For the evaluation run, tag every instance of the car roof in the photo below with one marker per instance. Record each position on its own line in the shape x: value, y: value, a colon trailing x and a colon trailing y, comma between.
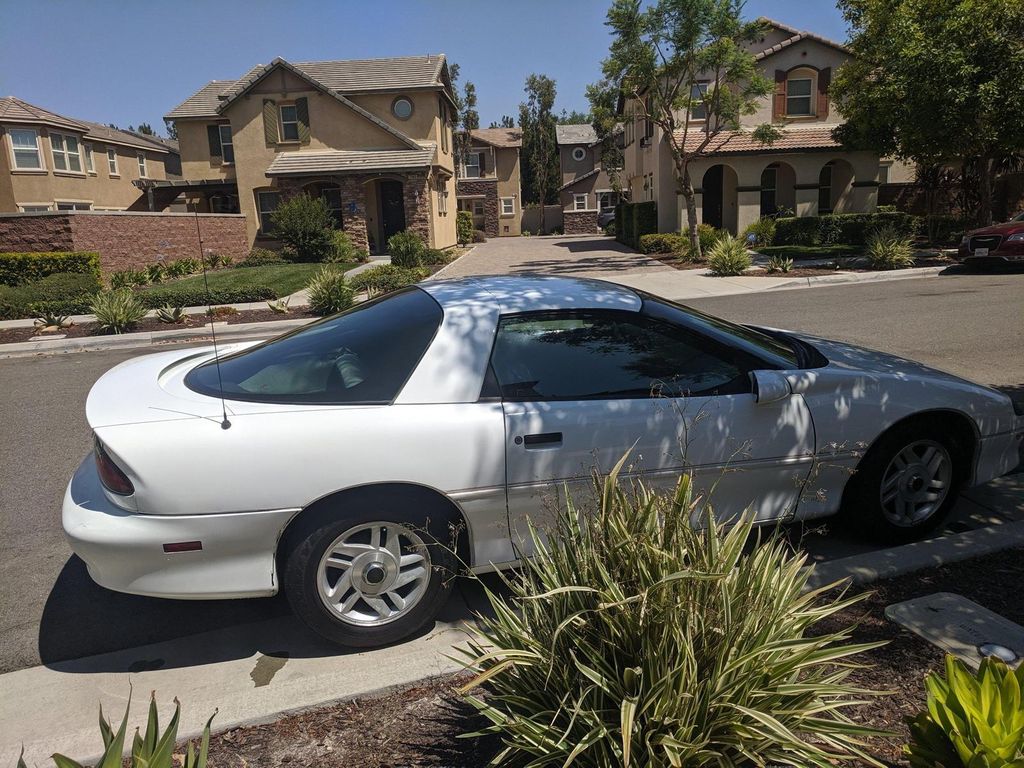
x: 511, y: 294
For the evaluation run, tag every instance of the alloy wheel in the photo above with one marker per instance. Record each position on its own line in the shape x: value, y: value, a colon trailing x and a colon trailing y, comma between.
x: 916, y: 483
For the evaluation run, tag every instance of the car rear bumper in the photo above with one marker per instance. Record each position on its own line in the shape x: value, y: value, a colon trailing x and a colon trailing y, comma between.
x: 124, y: 551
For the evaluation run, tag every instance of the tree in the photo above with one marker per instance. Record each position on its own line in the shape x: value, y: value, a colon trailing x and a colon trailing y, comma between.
x: 540, y: 171
x: 505, y: 122
x: 605, y: 119
x: 935, y: 83
x: 470, y: 117
x: 171, y: 128
x: 574, y: 118
x: 146, y: 129
x: 659, y: 58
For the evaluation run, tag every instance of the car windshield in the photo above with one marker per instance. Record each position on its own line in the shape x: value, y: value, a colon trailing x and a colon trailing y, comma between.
x: 1019, y: 217
x: 364, y: 355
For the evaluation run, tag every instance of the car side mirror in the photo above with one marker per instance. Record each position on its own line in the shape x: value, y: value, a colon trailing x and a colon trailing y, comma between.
x: 770, y: 386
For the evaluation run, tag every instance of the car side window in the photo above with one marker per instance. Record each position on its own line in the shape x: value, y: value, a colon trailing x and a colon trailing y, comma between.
x: 603, y: 355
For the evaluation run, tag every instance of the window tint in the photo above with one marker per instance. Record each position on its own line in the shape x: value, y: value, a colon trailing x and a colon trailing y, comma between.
x: 587, y: 355
x: 364, y: 355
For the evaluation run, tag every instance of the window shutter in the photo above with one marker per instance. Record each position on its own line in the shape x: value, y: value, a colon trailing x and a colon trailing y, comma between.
x: 270, y: 122
x: 779, y: 102
x: 483, y: 162
x: 824, y: 80
x: 302, y: 111
x: 213, y: 134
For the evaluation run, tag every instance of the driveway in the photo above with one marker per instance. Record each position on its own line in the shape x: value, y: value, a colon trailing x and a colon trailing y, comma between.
x: 580, y: 256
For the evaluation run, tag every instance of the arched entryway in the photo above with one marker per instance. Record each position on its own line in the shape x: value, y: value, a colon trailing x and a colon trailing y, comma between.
x: 835, y: 180
x: 778, y: 190
x: 719, y: 207
x: 385, y: 211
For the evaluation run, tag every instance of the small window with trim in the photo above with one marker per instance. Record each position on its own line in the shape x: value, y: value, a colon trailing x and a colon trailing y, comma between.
x: 289, y: 122
x: 579, y: 202
x: 112, y: 161
x: 266, y: 203
x: 25, y: 143
x: 798, y: 96
x: 227, y: 147
x: 66, y: 155
x: 508, y: 206
x: 141, y: 157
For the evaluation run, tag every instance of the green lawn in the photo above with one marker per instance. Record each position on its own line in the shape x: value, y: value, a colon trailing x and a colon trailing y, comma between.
x: 284, y: 279
x: 797, y: 252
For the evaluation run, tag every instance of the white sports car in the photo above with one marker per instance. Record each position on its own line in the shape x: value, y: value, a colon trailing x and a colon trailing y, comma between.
x: 334, y: 461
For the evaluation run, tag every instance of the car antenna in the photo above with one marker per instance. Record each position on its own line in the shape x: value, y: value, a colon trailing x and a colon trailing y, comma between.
x: 225, y: 424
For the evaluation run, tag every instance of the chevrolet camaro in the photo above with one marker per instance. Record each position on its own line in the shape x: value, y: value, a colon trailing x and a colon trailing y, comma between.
x: 359, y: 461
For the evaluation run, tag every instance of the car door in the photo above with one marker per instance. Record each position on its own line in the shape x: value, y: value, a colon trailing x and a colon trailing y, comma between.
x: 581, y: 388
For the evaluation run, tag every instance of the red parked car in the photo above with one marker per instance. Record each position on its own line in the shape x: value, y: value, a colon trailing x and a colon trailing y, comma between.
x: 1002, y: 242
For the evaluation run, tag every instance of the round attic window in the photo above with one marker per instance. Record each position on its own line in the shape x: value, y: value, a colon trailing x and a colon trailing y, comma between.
x: 401, y: 108
x: 578, y: 154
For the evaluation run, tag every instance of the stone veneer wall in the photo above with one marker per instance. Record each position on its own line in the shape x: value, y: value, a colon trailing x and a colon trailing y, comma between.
x: 579, y: 222
x: 416, y: 196
x: 125, y: 239
x: 489, y: 191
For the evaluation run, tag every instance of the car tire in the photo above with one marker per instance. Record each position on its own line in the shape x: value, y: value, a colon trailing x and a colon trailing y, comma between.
x: 341, y: 575
x: 905, y: 486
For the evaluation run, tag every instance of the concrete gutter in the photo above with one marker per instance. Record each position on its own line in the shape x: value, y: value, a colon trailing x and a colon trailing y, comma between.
x: 857, y: 277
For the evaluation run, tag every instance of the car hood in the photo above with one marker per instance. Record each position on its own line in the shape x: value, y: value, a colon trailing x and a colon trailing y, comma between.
x: 1007, y: 228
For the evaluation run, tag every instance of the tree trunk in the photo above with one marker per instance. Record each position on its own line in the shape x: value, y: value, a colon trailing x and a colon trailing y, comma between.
x: 985, y: 191
x: 686, y: 188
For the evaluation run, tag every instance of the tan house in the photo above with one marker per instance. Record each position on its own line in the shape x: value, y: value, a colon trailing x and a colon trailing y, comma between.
x: 806, y: 171
x: 586, y: 186
x: 373, y: 138
x: 50, y: 162
x: 489, y: 184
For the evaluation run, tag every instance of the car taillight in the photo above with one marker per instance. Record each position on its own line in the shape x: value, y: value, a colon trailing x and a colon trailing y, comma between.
x: 113, y: 479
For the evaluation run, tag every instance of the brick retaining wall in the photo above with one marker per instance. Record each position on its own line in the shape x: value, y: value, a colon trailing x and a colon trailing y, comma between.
x: 488, y: 188
x: 580, y: 222
x: 125, y: 239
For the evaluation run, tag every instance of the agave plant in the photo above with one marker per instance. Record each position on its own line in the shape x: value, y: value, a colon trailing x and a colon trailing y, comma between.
x: 729, y: 256
x: 117, y: 310
x: 779, y: 264
x: 171, y: 315
x: 49, y: 321
x: 888, y: 249
x: 645, y: 633
x: 280, y: 306
x: 970, y: 720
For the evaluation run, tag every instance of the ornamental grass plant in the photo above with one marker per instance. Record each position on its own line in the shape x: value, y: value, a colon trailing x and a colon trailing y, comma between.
x: 639, y: 636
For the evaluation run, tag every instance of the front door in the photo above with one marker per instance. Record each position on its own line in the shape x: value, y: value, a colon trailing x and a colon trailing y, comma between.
x: 392, y: 209
x: 712, y: 195
x: 582, y: 388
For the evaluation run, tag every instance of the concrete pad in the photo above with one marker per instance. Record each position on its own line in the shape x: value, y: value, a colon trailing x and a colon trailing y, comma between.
x: 958, y: 626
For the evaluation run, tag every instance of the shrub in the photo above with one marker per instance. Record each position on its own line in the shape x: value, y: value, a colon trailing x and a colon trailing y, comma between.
x: 637, y: 636
x: 118, y: 310
x: 61, y: 293
x: 665, y: 242
x: 328, y: 292
x: 279, y: 307
x: 305, y: 225
x: 479, y: 236
x: 155, y: 273
x: 707, y: 236
x: 779, y: 264
x: 219, y: 312
x: 434, y: 256
x: 343, y: 249
x: 846, y: 228
x: 886, y: 209
x: 970, y: 719
x: 609, y: 228
x: 728, y: 257
x: 259, y: 257
x: 18, y: 268
x: 129, y: 278
x: 464, y: 227
x: 171, y: 315
x: 199, y: 297
x: 50, y: 320
x: 944, y: 229
x: 386, y: 278
x: 406, y: 249
x: 888, y: 249
x: 184, y: 267
x: 763, y: 231
x: 645, y: 219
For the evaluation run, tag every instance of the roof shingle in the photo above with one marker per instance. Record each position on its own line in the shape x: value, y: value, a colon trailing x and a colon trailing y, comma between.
x: 349, y: 161
x: 499, y: 137
x: 743, y: 142
x: 15, y: 110
x: 575, y: 134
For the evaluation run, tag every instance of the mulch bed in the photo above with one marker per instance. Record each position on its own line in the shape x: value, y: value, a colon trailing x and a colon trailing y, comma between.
x: 811, y: 271
x: 149, y: 324
x: 419, y: 725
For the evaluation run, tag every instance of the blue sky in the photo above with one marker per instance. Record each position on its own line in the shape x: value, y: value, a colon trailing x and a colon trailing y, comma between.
x: 131, y: 62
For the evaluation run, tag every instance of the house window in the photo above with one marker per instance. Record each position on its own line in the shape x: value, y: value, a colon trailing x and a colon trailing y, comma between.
x: 227, y: 148
x: 88, y: 158
x: 34, y: 208
x: 26, y: 148
x: 607, y: 200
x: 825, y: 189
x: 223, y: 203
x: 66, y: 156
x: 798, y: 96
x: 401, y: 108
x: 883, y: 173
x: 443, y: 111
x: 478, y: 207
x: 112, y: 161
x: 769, y: 184
x: 266, y: 204
x: 630, y: 128
x: 578, y: 154
x: 331, y: 195
x: 142, y: 164
x: 699, y: 110
x: 70, y: 206
x: 508, y: 206
x: 472, y: 165
x: 648, y: 120
x: 289, y: 123
x: 579, y: 202
x: 442, y: 197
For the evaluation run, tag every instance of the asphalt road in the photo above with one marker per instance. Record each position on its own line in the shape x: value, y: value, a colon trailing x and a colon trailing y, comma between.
x: 50, y: 611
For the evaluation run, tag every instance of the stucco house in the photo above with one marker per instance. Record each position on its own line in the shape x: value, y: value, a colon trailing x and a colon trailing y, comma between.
x: 586, y: 188
x: 50, y: 162
x: 806, y: 171
x: 489, y: 183
x: 372, y: 137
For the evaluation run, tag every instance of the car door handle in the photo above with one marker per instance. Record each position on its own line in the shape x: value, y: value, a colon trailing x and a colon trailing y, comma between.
x: 543, y: 439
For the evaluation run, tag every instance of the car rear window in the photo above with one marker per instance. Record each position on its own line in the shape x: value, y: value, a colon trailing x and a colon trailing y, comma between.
x: 364, y: 355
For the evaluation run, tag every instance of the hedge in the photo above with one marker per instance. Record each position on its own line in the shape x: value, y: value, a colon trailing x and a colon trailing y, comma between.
x: 18, y: 268
x: 188, y: 297
x: 68, y: 293
x: 665, y: 242
x: 638, y: 219
x: 844, y: 228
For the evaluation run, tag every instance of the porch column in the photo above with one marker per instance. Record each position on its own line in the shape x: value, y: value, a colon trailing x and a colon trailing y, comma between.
x: 416, y: 196
x: 748, y: 205
x: 863, y: 197
x: 806, y: 199
x: 353, y: 209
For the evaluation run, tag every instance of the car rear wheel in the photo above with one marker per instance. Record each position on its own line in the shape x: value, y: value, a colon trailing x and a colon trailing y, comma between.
x: 906, y: 485
x: 368, y: 578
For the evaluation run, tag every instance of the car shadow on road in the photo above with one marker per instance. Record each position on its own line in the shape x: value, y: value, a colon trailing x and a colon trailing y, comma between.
x: 88, y: 629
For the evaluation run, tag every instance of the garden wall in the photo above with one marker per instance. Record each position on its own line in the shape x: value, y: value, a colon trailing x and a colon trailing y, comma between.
x: 531, y: 218
x: 125, y: 239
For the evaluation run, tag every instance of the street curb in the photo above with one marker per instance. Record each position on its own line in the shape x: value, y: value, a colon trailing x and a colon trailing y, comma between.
x: 870, y: 277
x: 897, y: 561
x: 440, y: 273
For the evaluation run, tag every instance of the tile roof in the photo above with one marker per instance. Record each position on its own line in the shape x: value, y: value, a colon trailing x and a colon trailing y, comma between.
x: 743, y: 142
x: 343, y: 77
x: 499, y: 137
x: 797, y: 36
x: 575, y: 134
x: 13, y: 109
x: 349, y: 161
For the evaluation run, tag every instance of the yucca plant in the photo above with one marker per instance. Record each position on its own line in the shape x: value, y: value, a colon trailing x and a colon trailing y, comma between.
x: 171, y: 315
x: 128, y: 278
x: 151, y: 750
x: 155, y: 273
x: 639, y: 637
x: 970, y: 720
x: 888, y: 249
x: 280, y: 306
x: 117, y: 310
x: 329, y: 292
x: 779, y: 264
x: 729, y: 257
